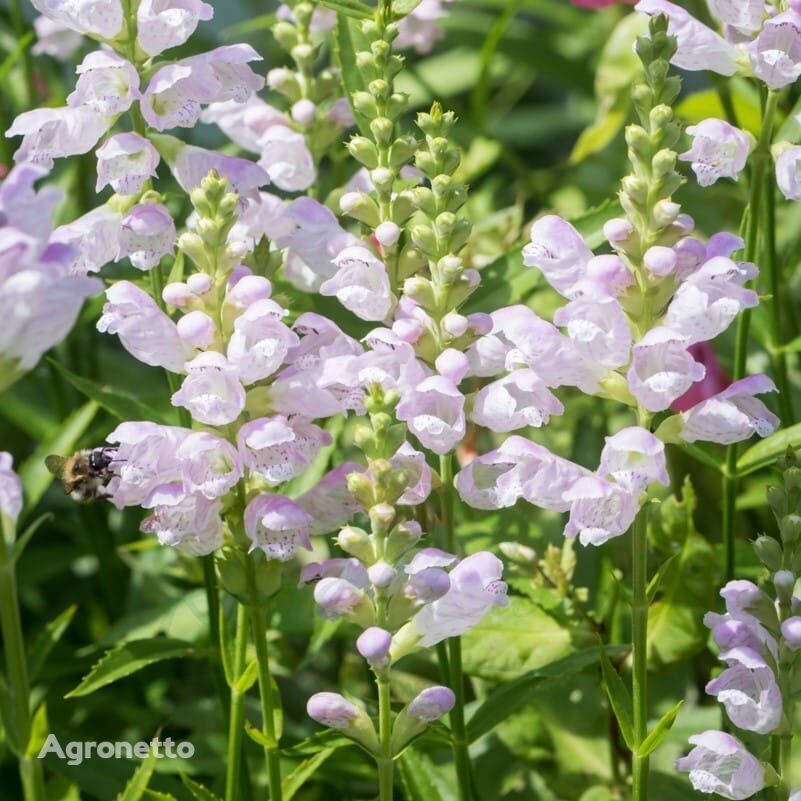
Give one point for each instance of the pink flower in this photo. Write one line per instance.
(286, 158)
(278, 526)
(719, 150)
(420, 29)
(748, 690)
(788, 173)
(126, 161)
(210, 465)
(102, 18)
(776, 53)
(599, 510)
(518, 400)
(191, 523)
(280, 448)
(10, 488)
(107, 83)
(177, 91)
(414, 462)
(720, 764)
(431, 704)
(147, 233)
(55, 39)
(162, 24)
(699, 47)
(146, 457)
(598, 329)
(731, 415)
(53, 133)
(211, 390)
(662, 369)
(713, 382)
(634, 458)
(245, 124)
(559, 252)
(360, 284)
(192, 164)
(24, 207)
(434, 413)
(329, 502)
(94, 239)
(145, 331)
(475, 587)
(332, 710)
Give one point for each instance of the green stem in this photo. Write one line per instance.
(770, 264)
(30, 768)
(236, 722)
(269, 701)
(639, 644)
(384, 762)
(20, 30)
(761, 158)
(446, 502)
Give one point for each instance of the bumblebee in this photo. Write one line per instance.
(84, 475)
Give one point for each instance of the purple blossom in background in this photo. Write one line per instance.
(10, 489)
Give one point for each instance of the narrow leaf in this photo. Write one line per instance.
(22, 541)
(258, 736)
(619, 698)
(659, 732)
(40, 728)
(138, 783)
(35, 476)
(295, 780)
(350, 8)
(345, 56)
(131, 657)
(421, 779)
(198, 790)
(248, 677)
(656, 581)
(47, 639)
(115, 401)
(766, 452)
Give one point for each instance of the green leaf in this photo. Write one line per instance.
(115, 401)
(23, 539)
(509, 697)
(154, 795)
(258, 736)
(248, 677)
(591, 224)
(504, 282)
(617, 70)
(40, 729)
(330, 738)
(656, 581)
(130, 657)
(138, 783)
(295, 780)
(344, 50)
(198, 790)
(619, 698)
(421, 779)
(14, 56)
(350, 8)
(8, 717)
(404, 7)
(47, 639)
(659, 732)
(768, 450)
(64, 439)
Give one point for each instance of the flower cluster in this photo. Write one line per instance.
(631, 318)
(759, 638)
(249, 381)
(40, 297)
(403, 597)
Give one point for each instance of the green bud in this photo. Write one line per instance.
(665, 213)
(356, 542)
(364, 103)
(364, 151)
(790, 529)
(365, 62)
(379, 88)
(792, 478)
(383, 179)
(382, 129)
(402, 537)
(425, 239)
(285, 34)
(361, 207)
(397, 104)
(769, 552)
(636, 188)
(381, 516)
(420, 290)
(401, 151)
(361, 487)
(777, 500)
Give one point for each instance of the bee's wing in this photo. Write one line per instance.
(55, 464)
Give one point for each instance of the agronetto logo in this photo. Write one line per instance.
(75, 751)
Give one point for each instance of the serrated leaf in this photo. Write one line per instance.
(34, 474)
(298, 777)
(131, 657)
(350, 8)
(47, 639)
(509, 697)
(121, 404)
(138, 783)
(659, 732)
(200, 792)
(768, 450)
(619, 698)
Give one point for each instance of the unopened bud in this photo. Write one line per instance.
(387, 233)
(769, 552)
(356, 542)
(374, 644)
(381, 575)
(304, 112)
(790, 529)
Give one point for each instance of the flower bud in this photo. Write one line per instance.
(784, 582)
(419, 289)
(408, 330)
(197, 328)
(618, 230)
(177, 294)
(660, 261)
(401, 538)
(199, 283)
(303, 112)
(381, 575)
(387, 233)
(336, 712)
(480, 323)
(455, 324)
(284, 81)
(791, 632)
(518, 553)
(790, 528)
(356, 542)
(382, 178)
(665, 213)
(452, 364)
(364, 151)
(427, 585)
(381, 516)
(777, 500)
(337, 597)
(374, 644)
(431, 704)
(769, 552)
